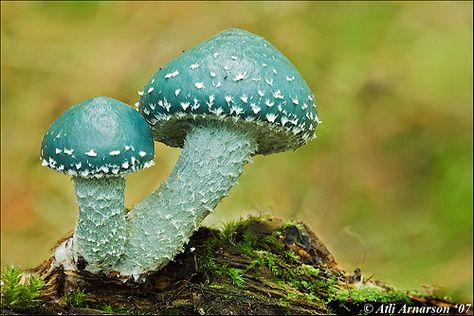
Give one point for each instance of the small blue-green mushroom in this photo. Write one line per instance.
(232, 96)
(98, 142)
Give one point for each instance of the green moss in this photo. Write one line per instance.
(270, 258)
(267, 255)
(234, 274)
(227, 233)
(208, 264)
(311, 285)
(371, 294)
(262, 258)
(77, 298)
(108, 308)
(291, 255)
(14, 293)
(297, 225)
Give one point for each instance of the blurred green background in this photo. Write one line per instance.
(389, 177)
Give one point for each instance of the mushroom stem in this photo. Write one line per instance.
(212, 159)
(99, 237)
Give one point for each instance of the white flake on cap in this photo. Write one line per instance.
(271, 117)
(290, 78)
(269, 103)
(295, 101)
(269, 81)
(211, 101)
(199, 85)
(195, 105)
(58, 151)
(228, 99)
(166, 105)
(213, 74)
(91, 153)
(148, 164)
(142, 153)
(71, 173)
(255, 108)
(217, 111)
(84, 173)
(185, 105)
(172, 74)
(150, 90)
(317, 120)
(52, 162)
(177, 91)
(114, 153)
(194, 66)
(277, 94)
(240, 76)
(140, 93)
(237, 109)
(244, 98)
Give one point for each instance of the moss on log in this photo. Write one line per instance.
(257, 266)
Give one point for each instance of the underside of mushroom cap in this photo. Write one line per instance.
(237, 77)
(98, 137)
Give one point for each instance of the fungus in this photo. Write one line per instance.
(217, 139)
(98, 142)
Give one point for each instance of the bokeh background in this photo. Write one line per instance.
(388, 182)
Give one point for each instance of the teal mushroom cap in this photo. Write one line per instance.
(98, 137)
(235, 76)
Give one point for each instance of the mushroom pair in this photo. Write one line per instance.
(231, 97)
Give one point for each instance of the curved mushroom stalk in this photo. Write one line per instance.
(211, 161)
(99, 237)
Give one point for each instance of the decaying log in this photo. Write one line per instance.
(256, 267)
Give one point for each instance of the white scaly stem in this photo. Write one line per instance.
(157, 228)
(99, 238)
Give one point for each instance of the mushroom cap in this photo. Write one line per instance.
(237, 77)
(98, 137)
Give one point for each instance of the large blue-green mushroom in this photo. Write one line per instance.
(230, 97)
(98, 142)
